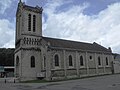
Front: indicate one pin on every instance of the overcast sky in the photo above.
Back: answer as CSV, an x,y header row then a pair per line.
x,y
79,20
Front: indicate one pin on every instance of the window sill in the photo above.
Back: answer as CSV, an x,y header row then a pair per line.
x,y
82,66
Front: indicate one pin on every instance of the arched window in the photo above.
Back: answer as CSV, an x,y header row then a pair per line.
x,y
91,58
32,61
81,61
70,61
106,61
44,62
27,41
34,23
35,42
99,61
30,41
17,61
56,58
17,66
24,40
29,22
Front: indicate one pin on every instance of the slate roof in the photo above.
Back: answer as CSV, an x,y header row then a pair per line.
x,y
60,43
117,56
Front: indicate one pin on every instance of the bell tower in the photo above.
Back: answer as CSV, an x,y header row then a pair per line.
x,y
28,20
27,41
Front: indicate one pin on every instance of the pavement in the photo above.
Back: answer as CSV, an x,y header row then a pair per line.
x,y
108,82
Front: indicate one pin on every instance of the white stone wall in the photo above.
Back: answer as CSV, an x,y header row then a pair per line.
x,y
116,65
25,14
90,67
17,68
27,71
28,43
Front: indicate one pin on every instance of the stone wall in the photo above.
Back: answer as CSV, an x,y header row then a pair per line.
x,y
90,67
71,72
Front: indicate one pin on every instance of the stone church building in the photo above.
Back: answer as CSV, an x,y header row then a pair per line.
x,y
39,57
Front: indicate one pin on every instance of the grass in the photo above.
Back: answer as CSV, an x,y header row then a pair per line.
x,y
35,81
45,81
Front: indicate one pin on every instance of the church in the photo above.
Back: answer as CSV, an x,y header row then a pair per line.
x,y
38,57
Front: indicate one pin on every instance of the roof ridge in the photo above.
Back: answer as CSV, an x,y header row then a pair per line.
x,y
67,40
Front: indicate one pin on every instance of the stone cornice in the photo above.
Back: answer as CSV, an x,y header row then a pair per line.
x,y
36,9
32,48
79,50
27,34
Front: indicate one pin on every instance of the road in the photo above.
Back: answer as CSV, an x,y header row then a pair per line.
x,y
109,82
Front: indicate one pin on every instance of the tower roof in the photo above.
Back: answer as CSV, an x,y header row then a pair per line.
x,y
36,9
